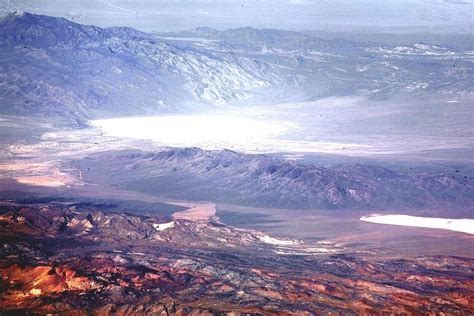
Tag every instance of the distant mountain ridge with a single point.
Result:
(45, 31)
(260, 38)
(56, 68)
(262, 181)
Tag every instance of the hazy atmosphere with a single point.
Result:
(339, 15)
(237, 157)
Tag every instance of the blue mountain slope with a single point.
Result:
(51, 66)
(261, 181)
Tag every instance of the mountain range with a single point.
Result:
(53, 67)
(262, 181)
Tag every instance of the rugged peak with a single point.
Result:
(205, 30)
(23, 17)
(23, 28)
(18, 14)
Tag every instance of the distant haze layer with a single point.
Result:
(281, 14)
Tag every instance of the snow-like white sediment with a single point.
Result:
(192, 130)
(216, 132)
(463, 225)
(278, 242)
(303, 252)
(164, 226)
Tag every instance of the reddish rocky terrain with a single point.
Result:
(60, 258)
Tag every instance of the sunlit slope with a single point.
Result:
(51, 66)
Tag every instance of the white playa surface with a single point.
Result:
(463, 225)
(192, 130)
(218, 131)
